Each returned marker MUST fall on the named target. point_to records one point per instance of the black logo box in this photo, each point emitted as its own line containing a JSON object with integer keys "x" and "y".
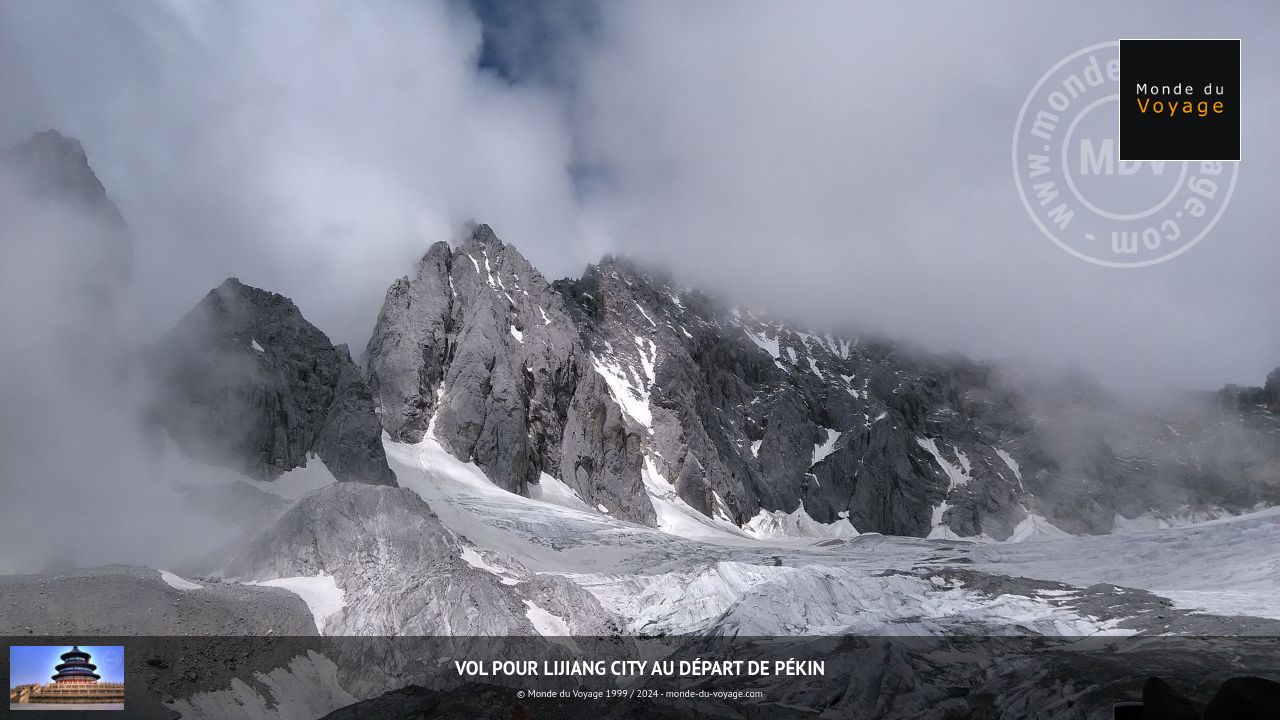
{"x": 1187, "y": 68}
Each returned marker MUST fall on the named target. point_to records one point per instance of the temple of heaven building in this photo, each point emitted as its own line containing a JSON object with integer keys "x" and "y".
{"x": 75, "y": 686}
{"x": 76, "y": 668}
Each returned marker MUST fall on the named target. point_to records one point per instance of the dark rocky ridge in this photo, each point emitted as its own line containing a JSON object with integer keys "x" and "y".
{"x": 620, "y": 375}
{"x": 244, "y": 381}
{"x": 1252, "y": 398}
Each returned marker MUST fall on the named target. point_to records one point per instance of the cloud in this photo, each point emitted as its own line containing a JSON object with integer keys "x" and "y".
{"x": 836, "y": 162}
{"x": 78, "y": 484}
{"x": 849, "y": 162}
{"x": 315, "y": 149}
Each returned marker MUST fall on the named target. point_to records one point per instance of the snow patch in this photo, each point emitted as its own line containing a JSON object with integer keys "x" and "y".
{"x": 769, "y": 346}
{"x": 633, "y": 398}
{"x": 494, "y": 284}
{"x": 719, "y": 508}
{"x": 936, "y": 520}
{"x": 435, "y": 413}
{"x": 646, "y": 315}
{"x": 826, "y": 448}
{"x": 546, "y": 623}
{"x": 477, "y": 561}
{"x": 551, "y": 490}
{"x": 177, "y": 582}
{"x": 1035, "y": 528}
{"x": 677, "y": 517}
{"x": 775, "y": 525}
{"x": 321, "y": 594}
{"x": 648, "y": 358}
{"x": 957, "y": 475}
{"x": 944, "y": 532}
{"x": 813, "y": 367}
{"x": 519, "y": 336}
{"x": 863, "y": 394}
{"x": 1013, "y": 465}
{"x": 254, "y": 344}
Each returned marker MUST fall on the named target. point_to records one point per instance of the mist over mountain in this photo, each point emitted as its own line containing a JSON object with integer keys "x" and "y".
{"x": 634, "y": 391}
{"x": 317, "y": 151}
{"x": 245, "y": 381}
{"x": 649, "y": 401}
{"x": 550, "y": 333}
{"x": 73, "y": 445}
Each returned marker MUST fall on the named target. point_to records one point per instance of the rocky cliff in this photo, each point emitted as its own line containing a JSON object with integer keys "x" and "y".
{"x": 647, "y": 398}
{"x": 244, "y": 381}
{"x": 480, "y": 349}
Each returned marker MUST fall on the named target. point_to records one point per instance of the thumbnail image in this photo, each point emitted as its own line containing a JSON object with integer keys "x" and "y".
{"x": 53, "y": 677}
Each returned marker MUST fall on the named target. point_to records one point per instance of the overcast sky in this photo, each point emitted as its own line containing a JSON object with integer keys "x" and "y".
{"x": 842, "y": 161}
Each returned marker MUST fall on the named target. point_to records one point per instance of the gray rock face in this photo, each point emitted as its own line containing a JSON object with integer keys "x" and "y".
{"x": 1254, "y": 399}
{"x": 402, "y": 572}
{"x": 478, "y": 347}
{"x": 603, "y": 451}
{"x": 244, "y": 381}
{"x": 408, "y": 352}
{"x": 627, "y": 388}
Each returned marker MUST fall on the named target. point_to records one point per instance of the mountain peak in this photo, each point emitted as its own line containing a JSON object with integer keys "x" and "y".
{"x": 481, "y": 234}
{"x": 52, "y": 142}
{"x": 53, "y": 164}
{"x": 245, "y": 381}
{"x": 50, "y": 166}
{"x": 234, "y": 286}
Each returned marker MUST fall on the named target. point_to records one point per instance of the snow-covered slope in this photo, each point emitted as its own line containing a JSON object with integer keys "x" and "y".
{"x": 1229, "y": 566}
{"x": 529, "y": 556}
